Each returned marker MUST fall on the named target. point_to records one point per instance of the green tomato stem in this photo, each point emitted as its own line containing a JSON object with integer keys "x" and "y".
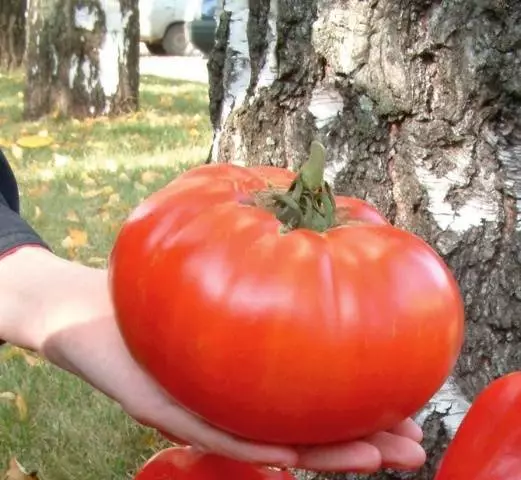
{"x": 309, "y": 202}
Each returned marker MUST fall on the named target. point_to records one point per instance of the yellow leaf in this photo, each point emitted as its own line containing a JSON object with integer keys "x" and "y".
{"x": 97, "y": 260}
{"x": 34, "y": 141}
{"x": 104, "y": 215}
{"x": 21, "y": 406}
{"x": 150, "y": 439}
{"x": 88, "y": 180}
{"x": 113, "y": 199}
{"x": 12, "y": 352}
{"x": 8, "y": 396}
{"x": 32, "y": 360}
{"x": 71, "y": 188}
{"x": 91, "y": 193}
{"x": 194, "y": 132}
{"x": 37, "y": 211}
{"x": 75, "y": 239}
{"x": 17, "y": 472}
{"x": 17, "y": 152}
{"x": 149, "y": 177}
{"x": 72, "y": 216}
{"x": 8, "y": 352}
{"x": 39, "y": 190}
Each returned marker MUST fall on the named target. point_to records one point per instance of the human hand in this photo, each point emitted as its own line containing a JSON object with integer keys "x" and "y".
{"x": 78, "y": 332}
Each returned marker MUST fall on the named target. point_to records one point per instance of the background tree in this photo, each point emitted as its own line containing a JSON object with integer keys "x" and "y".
{"x": 12, "y": 33}
{"x": 419, "y": 106}
{"x": 82, "y": 57}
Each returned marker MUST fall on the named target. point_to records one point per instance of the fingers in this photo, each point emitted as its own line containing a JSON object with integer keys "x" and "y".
{"x": 360, "y": 457}
{"x": 399, "y": 449}
{"x": 202, "y": 436}
{"x": 399, "y": 453}
{"x": 410, "y": 429}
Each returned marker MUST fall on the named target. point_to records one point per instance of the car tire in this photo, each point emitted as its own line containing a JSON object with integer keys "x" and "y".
{"x": 155, "y": 48}
{"x": 177, "y": 41}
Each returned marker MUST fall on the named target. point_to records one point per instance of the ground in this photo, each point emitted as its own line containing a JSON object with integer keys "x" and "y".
{"x": 79, "y": 181}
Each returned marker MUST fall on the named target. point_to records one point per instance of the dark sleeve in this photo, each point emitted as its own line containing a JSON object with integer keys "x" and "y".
{"x": 14, "y": 230}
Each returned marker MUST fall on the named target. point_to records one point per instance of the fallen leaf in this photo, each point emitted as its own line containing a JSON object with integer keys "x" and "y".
{"x": 39, "y": 190}
{"x": 91, "y": 193}
{"x": 106, "y": 190}
{"x": 88, "y": 180}
{"x": 113, "y": 199}
{"x": 37, "y": 211}
{"x": 75, "y": 239}
{"x": 72, "y": 216}
{"x": 97, "y": 260}
{"x": 21, "y": 406}
{"x": 104, "y": 215}
{"x": 17, "y": 152}
{"x": 124, "y": 177}
{"x": 150, "y": 439}
{"x": 8, "y": 396}
{"x": 35, "y": 141}
{"x": 149, "y": 177}
{"x": 17, "y": 472}
{"x": 71, "y": 188}
{"x": 11, "y": 352}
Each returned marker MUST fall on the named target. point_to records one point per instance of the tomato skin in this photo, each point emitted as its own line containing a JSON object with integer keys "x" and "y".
{"x": 487, "y": 445}
{"x": 185, "y": 463}
{"x": 296, "y": 338}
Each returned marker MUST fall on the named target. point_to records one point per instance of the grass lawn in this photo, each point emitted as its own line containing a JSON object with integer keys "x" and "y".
{"x": 76, "y": 191}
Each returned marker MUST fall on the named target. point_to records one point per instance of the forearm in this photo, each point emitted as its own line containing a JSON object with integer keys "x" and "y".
{"x": 27, "y": 278}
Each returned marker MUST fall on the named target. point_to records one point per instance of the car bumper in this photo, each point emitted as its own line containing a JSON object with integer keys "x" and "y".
{"x": 202, "y": 34}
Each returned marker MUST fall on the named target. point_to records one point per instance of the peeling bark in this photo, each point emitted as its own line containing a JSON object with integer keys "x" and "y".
{"x": 82, "y": 58}
{"x": 12, "y": 33}
{"x": 419, "y": 105}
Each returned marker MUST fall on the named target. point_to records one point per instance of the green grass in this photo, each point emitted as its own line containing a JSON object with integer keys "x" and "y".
{"x": 76, "y": 192}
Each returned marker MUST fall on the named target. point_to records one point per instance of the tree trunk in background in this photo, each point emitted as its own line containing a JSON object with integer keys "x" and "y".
{"x": 419, "y": 105}
{"x": 12, "y": 33}
{"x": 82, "y": 58}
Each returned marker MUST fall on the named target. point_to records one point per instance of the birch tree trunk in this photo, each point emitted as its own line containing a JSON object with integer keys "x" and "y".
{"x": 419, "y": 105}
{"x": 12, "y": 33}
{"x": 82, "y": 58}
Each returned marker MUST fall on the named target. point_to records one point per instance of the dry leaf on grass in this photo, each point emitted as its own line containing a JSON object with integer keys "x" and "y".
{"x": 75, "y": 239}
{"x": 107, "y": 190}
{"x": 21, "y": 406}
{"x": 72, "y": 216}
{"x": 37, "y": 212}
{"x": 18, "y": 401}
{"x": 97, "y": 261}
{"x": 17, "y": 472}
{"x": 35, "y": 141}
{"x": 11, "y": 352}
{"x": 10, "y": 396}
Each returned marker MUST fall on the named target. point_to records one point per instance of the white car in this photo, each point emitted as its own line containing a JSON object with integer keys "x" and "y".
{"x": 163, "y": 25}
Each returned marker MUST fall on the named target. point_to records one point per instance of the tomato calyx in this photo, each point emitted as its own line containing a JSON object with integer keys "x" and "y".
{"x": 309, "y": 202}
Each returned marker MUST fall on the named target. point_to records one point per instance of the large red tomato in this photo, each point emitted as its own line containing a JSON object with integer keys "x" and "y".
{"x": 282, "y": 335}
{"x": 184, "y": 463}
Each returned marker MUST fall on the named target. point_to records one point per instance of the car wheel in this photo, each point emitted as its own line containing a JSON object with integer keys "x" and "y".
{"x": 155, "y": 48}
{"x": 177, "y": 41}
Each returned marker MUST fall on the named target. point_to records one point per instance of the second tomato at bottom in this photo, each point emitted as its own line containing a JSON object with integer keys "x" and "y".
{"x": 186, "y": 463}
